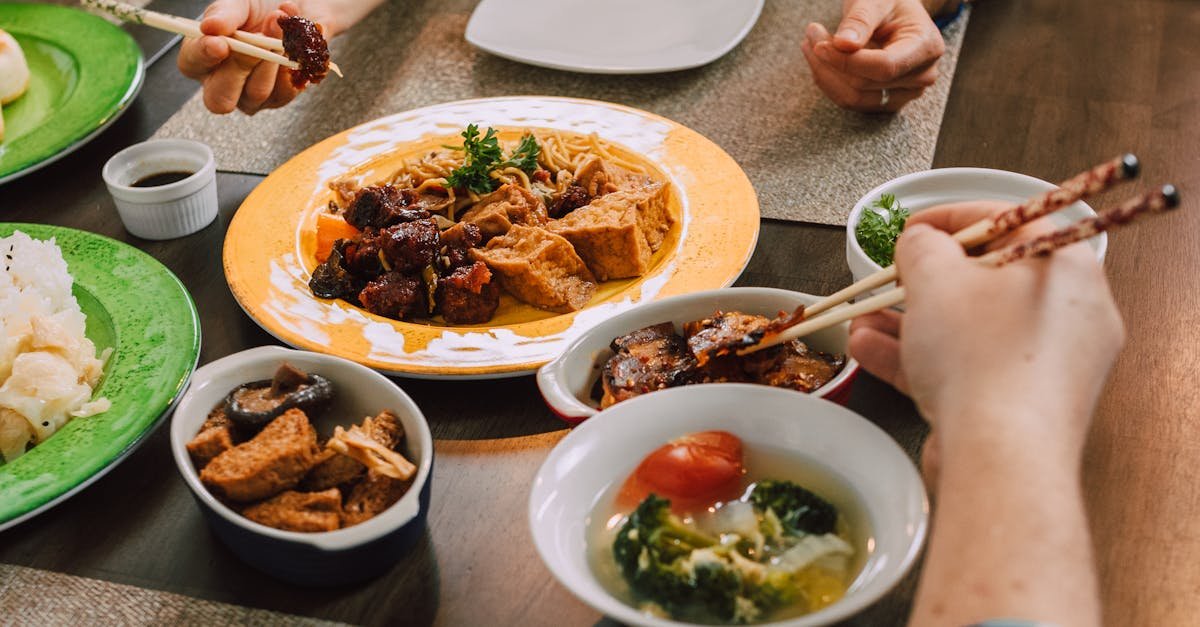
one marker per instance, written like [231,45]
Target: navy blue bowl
[329,558]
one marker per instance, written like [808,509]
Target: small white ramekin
[167,211]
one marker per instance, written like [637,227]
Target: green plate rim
[58,26]
[145,407]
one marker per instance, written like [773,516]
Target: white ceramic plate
[883,497]
[922,190]
[612,36]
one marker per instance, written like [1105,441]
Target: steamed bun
[14,72]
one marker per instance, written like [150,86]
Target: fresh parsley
[482,155]
[877,232]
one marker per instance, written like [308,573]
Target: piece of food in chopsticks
[49,369]
[304,44]
[656,358]
[308,52]
[697,535]
[274,469]
[543,214]
[878,227]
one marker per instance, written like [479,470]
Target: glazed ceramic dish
[880,492]
[269,249]
[84,73]
[612,37]
[566,383]
[154,352]
[922,190]
[314,559]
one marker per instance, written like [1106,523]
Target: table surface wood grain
[1044,87]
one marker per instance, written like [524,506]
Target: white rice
[48,368]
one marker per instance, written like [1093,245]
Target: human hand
[237,81]
[1021,351]
[881,47]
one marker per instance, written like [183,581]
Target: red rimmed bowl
[566,383]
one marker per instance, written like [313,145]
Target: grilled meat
[792,365]
[646,360]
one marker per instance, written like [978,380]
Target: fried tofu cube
[271,462]
[215,437]
[498,211]
[616,234]
[540,268]
[299,511]
[369,497]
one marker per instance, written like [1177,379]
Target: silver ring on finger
[884,97]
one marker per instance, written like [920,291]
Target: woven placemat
[809,160]
[37,597]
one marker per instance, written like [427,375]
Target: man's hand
[884,54]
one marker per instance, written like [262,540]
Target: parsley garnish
[877,233]
[483,155]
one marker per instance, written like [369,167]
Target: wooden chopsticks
[254,45]
[1154,202]
[1101,177]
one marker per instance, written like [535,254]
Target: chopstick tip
[1171,195]
[1130,166]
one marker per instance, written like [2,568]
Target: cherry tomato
[693,471]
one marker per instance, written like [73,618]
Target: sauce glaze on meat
[304,44]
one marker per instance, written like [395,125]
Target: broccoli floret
[800,511]
[654,530]
[681,570]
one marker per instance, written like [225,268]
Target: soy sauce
[160,179]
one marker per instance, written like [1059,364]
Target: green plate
[138,308]
[84,73]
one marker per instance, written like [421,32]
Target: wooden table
[1045,87]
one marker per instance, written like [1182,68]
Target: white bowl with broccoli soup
[728,503]
[879,215]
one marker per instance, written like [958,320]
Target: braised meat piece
[340,469]
[381,206]
[272,461]
[304,44]
[646,360]
[572,198]
[299,511]
[792,365]
[540,268]
[336,278]
[457,241]
[397,296]
[409,246]
[363,257]
[468,295]
[723,333]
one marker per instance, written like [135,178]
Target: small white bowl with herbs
[879,216]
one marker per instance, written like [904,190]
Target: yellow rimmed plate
[269,247]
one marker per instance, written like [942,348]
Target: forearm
[1010,536]
[342,13]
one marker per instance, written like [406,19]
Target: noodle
[560,154]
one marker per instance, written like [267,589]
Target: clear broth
[762,462]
